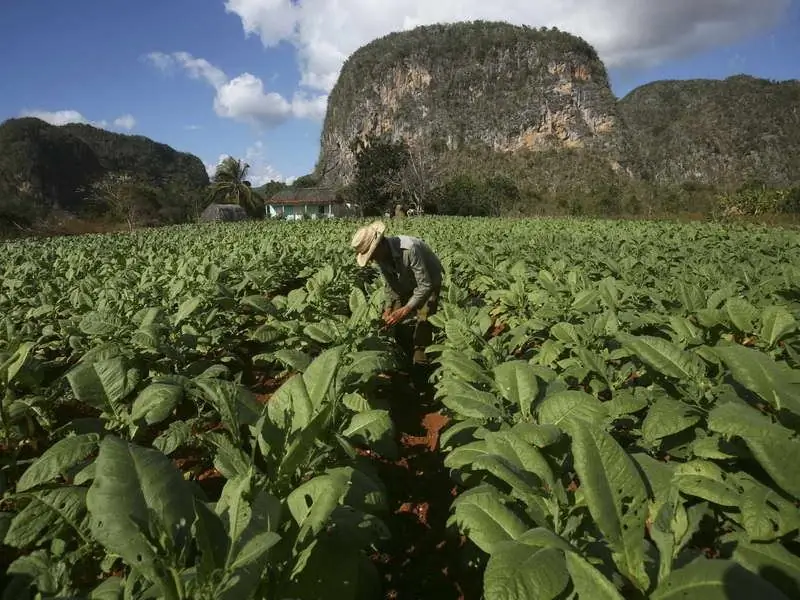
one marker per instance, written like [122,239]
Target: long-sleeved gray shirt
[412,273]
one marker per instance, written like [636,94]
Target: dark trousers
[423,331]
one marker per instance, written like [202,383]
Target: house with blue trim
[306,203]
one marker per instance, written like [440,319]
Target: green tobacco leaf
[775,447]
[186,309]
[741,313]
[261,304]
[764,514]
[110,589]
[297,360]
[59,457]
[312,503]
[517,381]
[177,434]
[481,514]
[320,375]
[715,580]
[588,581]
[774,382]
[235,404]
[460,365]
[667,417]
[615,494]
[706,480]
[568,406]
[375,429]
[14,363]
[526,458]
[156,402]
[102,384]
[465,455]
[290,407]
[519,571]
[301,443]
[44,515]
[468,401]
[776,322]
[137,490]
[665,357]
[773,562]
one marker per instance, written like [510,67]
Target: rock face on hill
[718,132]
[540,100]
[52,166]
[489,85]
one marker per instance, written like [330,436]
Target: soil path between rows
[423,559]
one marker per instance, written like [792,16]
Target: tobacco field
[216,412]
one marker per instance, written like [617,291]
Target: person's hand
[397,316]
[386,313]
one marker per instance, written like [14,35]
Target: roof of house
[315,195]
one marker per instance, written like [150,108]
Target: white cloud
[125,122]
[58,117]
[625,32]
[64,117]
[243,98]
[260,171]
[193,127]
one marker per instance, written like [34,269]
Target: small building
[306,203]
[223,212]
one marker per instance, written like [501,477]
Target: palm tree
[231,186]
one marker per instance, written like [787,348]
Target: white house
[305,203]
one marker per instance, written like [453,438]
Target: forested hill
[45,167]
[716,131]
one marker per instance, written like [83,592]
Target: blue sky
[249,78]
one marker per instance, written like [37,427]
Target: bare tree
[414,182]
[124,197]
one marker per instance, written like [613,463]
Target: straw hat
[366,240]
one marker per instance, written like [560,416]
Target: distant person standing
[413,277]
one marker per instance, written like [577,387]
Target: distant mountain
[716,132]
[489,99]
[45,167]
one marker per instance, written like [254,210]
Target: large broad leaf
[313,502]
[483,516]
[138,495]
[235,404]
[764,513]
[741,313]
[568,406]
[667,417]
[588,581]
[57,458]
[615,494]
[375,429]
[468,401]
[664,357]
[156,402]
[525,457]
[776,322]
[776,383]
[320,375]
[715,580]
[704,479]
[290,407]
[519,571]
[773,562]
[44,515]
[102,384]
[518,383]
[14,363]
[776,448]
[460,365]
[327,570]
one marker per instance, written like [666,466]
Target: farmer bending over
[413,276]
